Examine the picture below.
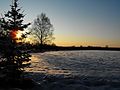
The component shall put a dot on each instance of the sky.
(76, 22)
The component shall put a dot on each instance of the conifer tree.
(12, 59)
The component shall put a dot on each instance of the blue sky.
(77, 22)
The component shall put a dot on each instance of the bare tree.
(42, 29)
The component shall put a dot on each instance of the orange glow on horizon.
(88, 43)
(62, 40)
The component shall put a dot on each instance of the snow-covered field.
(91, 70)
(82, 63)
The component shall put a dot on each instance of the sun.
(13, 34)
(18, 34)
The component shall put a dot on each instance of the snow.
(86, 70)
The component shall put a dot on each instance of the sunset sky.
(76, 22)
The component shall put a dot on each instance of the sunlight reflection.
(42, 66)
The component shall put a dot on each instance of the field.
(76, 70)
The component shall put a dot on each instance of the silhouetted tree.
(12, 59)
(42, 29)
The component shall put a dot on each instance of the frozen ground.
(76, 70)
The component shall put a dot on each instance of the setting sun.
(13, 34)
(18, 34)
